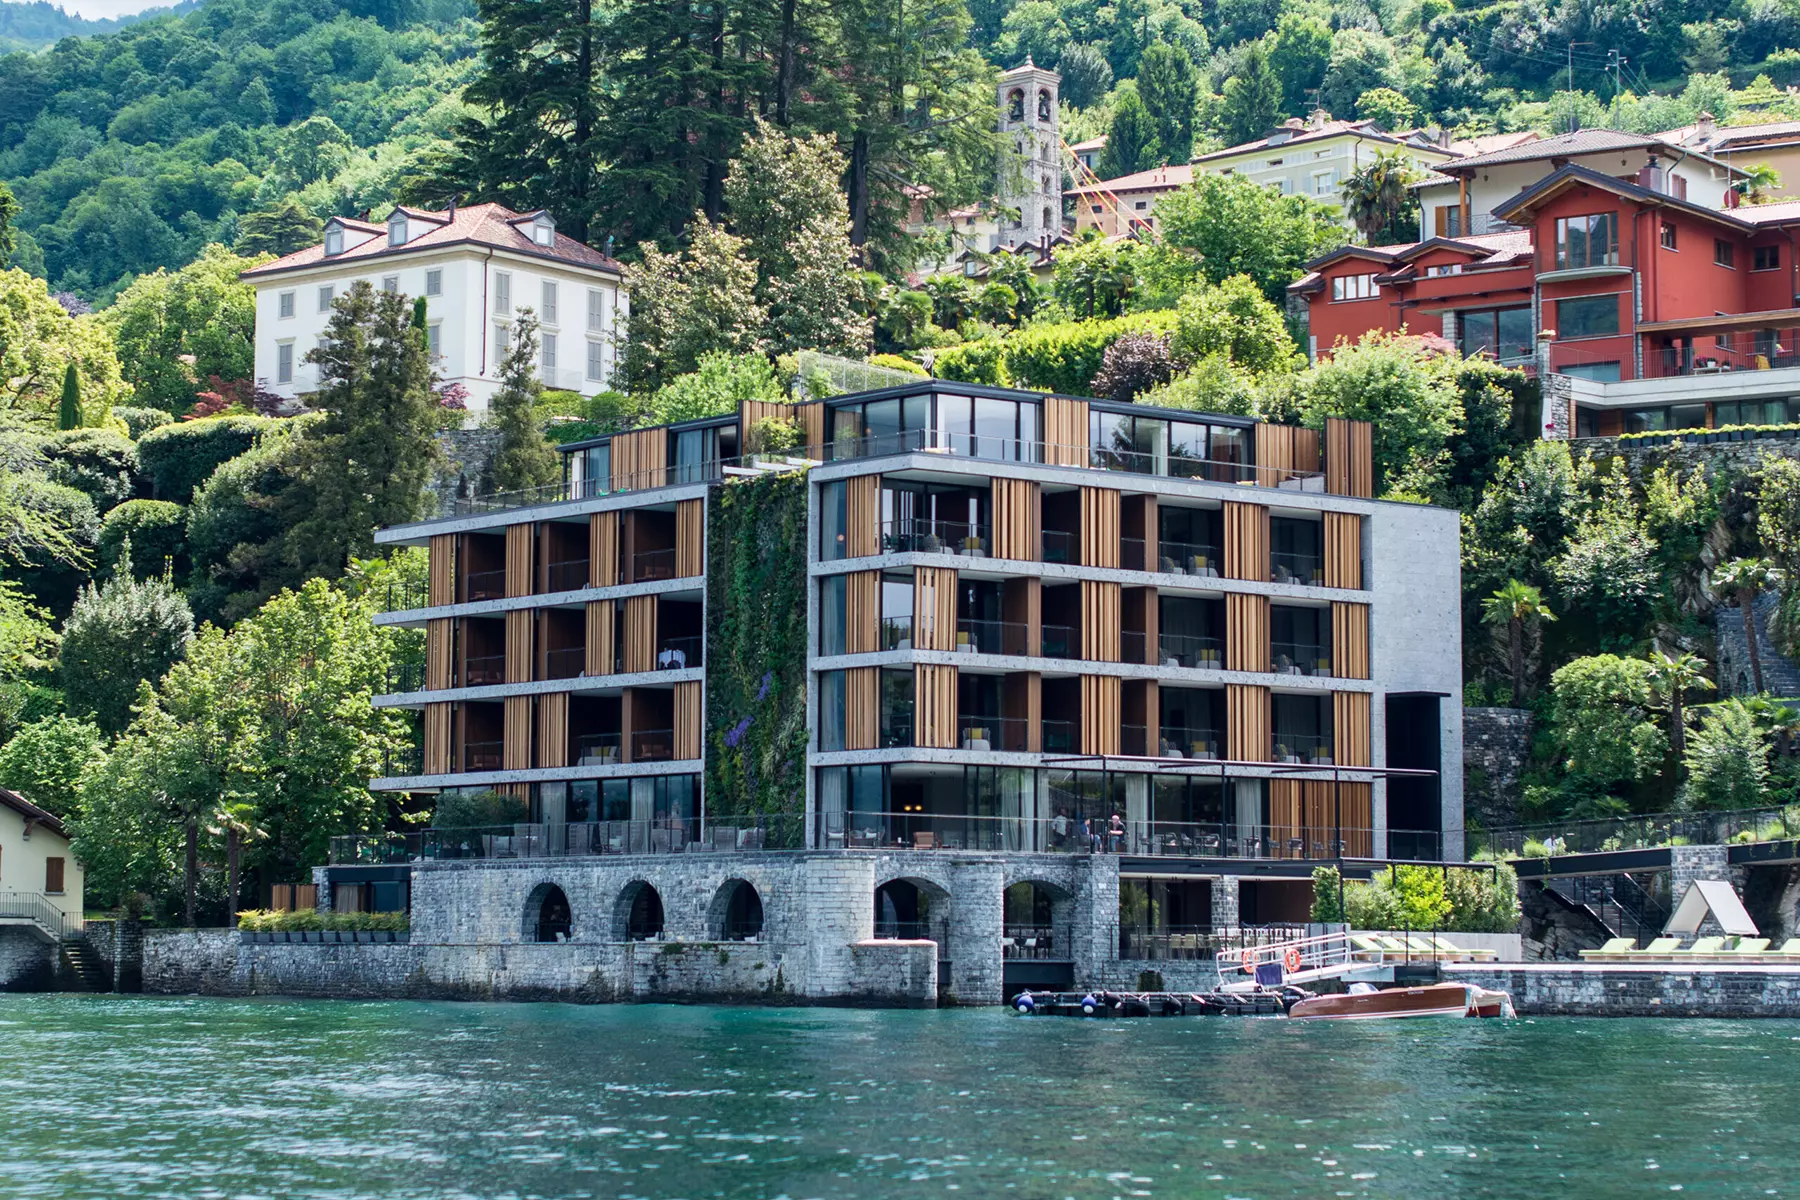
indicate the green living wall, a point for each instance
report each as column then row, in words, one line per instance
column 756, row 649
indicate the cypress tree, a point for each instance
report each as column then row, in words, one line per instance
column 525, row 457
column 68, row 413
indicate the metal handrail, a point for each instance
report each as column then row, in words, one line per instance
column 34, row 907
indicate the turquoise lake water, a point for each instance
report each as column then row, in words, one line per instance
column 148, row 1097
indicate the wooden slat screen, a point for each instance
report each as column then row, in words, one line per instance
column 1246, row 542
column 752, row 411
column 1022, row 604
column 1142, row 611
column 640, row 634
column 1343, row 550
column 437, row 739
column 440, row 635
column 599, row 637
column 1354, row 813
column 518, row 646
column 1023, row 699
column 441, row 570
column 628, row 722
column 1286, row 818
column 519, row 539
column 553, row 729
column 862, row 612
column 1101, row 620
column 687, row 719
column 690, row 539
column 603, row 549
column 1018, row 519
column 934, row 706
column 1100, row 714
column 1349, row 457
column 1065, row 432
column 640, row 459
column 862, row 708
column 811, row 416
column 1099, row 527
column 1350, row 729
column 1282, row 450
column 934, row 608
column 862, row 516
column 1246, row 722
column 515, row 748
column 1246, row 632
column 1349, row 640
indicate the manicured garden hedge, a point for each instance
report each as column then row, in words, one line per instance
column 179, row 458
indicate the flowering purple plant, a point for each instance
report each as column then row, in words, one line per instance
column 736, row 733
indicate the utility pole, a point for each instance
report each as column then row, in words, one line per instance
column 1571, row 89
column 1615, row 63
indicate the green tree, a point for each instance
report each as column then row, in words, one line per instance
column 367, row 463
column 1600, row 715
column 1742, row 579
column 686, row 304
column 45, row 760
column 27, row 640
column 175, row 330
column 1169, row 89
column 722, row 383
column 1361, row 61
column 128, row 630
column 1095, row 277
column 1672, row 677
column 9, row 212
column 68, row 410
column 1234, row 319
column 1606, row 577
column 1225, row 225
column 1727, row 759
column 1131, row 144
column 1086, row 75
column 280, row 230
column 1514, row 608
column 525, row 458
column 38, row 341
column 1761, row 183
column 1409, row 394
column 1379, row 198
column 1252, row 99
column 1387, row 108
column 1299, row 57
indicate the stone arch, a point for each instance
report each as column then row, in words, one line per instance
column 638, row 912
column 912, row 906
column 1037, row 920
column 736, row 913
column 548, row 916
column 1015, row 105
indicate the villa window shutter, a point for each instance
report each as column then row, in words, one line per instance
column 862, row 516
column 862, row 612
column 1350, row 729
column 934, row 702
column 1101, row 714
column 441, row 570
column 1343, row 550
column 934, row 608
column 603, row 549
column 53, row 875
column 1101, row 620
column 1099, row 527
column 1349, row 457
column 640, row 634
column 1246, row 542
column 439, row 637
column 688, row 719
column 1246, row 722
column 1246, row 632
column 690, row 539
column 599, row 638
column 1349, row 640
column 1018, row 519
column 437, row 739
column 515, row 750
column 519, row 545
column 553, row 730
column 1065, row 432
column 518, row 646
column 862, row 708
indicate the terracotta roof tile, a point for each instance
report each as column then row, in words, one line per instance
column 477, row 224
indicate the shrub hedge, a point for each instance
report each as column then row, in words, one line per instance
column 158, row 533
column 1066, row 357
column 259, row 920
column 179, row 458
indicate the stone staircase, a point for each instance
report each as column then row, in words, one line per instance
column 83, row 970
column 1781, row 676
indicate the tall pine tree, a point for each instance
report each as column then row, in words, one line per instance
column 1252, row 98
column 68, row 410
column 525, row 458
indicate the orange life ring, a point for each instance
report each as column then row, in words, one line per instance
column 1292, row 959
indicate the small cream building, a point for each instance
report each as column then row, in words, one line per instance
column 35, row 864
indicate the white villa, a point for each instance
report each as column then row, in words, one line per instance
column 476, row 266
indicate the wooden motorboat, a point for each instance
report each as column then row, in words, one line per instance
column 1435, row 1000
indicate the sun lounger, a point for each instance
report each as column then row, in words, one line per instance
column 1455, row 952
column 1366, row 948
column 1423, row 947
column 1706, row 947
column 1392, row 945
column 1790, row 950
column 1754, row 949
column 1661, row 947
column 1615, row 950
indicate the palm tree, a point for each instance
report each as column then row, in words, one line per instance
column 1378, row 199
column 1759, row 181
column 1513, row 606
column 1742, row 579
column 234, row 821
column 1674, row 676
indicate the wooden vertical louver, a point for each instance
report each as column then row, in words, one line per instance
column 862, row 516
column 1349, row 457
column 934, row 706
column 640, row 634
column 1101, row 621
column 1286, row 819
column 437, row 739
column 1350, row 729
column 862, row 708
column 1246, row 542
column 603, row 549
column 1349, row 640
column 553, row 729
column 515, row 748
column 690, row 539
column 1018, row 519
column 752, row 411
column 640, row 459
column 518, row 646
column 600, row 651
column 441, row 570
column 1343, row 550
column 520, row 541
column 1246, row 722
column 1099, row 527
column 1246, row 632
column 934, row 608
column 687, row 719
column 1022, row 696
column 440, row 638
column 1282, row 451
column 1353, row 812
column 1022, row 608
column 862, row 612
column 1101, row 714
column 1065, row 432
column 629, row 722
column 811, row 416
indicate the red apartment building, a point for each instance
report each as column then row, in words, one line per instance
column 1651, row 306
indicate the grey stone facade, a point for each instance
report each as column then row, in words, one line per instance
column 1642, row 991
column 1496, row 747
column 29, row 961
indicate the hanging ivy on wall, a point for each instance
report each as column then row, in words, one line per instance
column 756, row 647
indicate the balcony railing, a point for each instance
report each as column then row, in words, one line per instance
column 1651, row 830
column 1059, row 737
column 652, row 745
column 657, row 477
column 679, row 653
column 1131, row 645
column 484, row 585
column 1742, row 351
column 1188, row 558
column 1059, row 546
column 1300, row 658
column 484, row 669
column 570, row 662
column 1302, row 748
column 992, row 637
column 569, row 575
column 919, row 536
column 1059, row 642
column 648, row 566
column 666, row 835
column 404, row 677
column 1133, row 739
column 402, row 762
column 1196, row 942
column 992, row 733
column 1030, row 941
column 481, row 756
column 401, row 595
column 896, row 730
column 596, row 749
column 1072, row 833
column 1177, row 741
column 1293, row 566
column 1190, row 650
column 36, row 908
column 896, row 633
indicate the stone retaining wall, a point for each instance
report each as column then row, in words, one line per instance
column 1640, row 991
column 1496, row 747
column 119, row 945
column 1640, row 460
column 29, row 960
